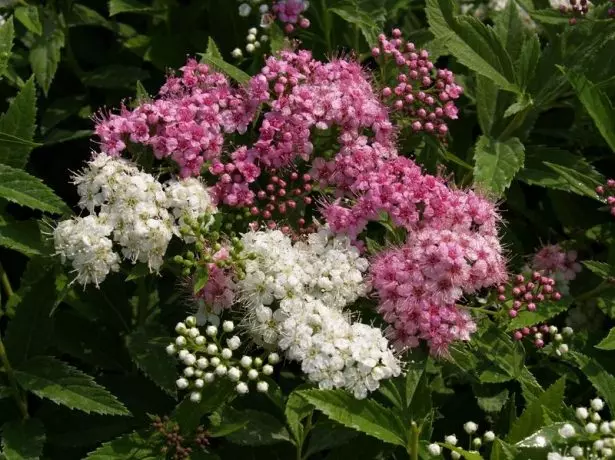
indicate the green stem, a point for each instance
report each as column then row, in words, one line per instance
column 515, row 124
column 413, row 442
column 6, row 284
column 326, row 20
column 306, row 431
column 17, row 393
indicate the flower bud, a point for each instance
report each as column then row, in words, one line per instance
column 195, row 396
column 434, row 449
column 470, row 427
column 262, row 387
column 242, row 388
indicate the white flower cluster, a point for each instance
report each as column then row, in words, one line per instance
column 295, row 296
column 132, row 207
column 476, row 442
column 207, row 357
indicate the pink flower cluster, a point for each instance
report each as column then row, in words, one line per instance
column 290, row 12
column 609, row 193
column 554, row 261
column 187, row 121
column 219, row 292
column 422, row 92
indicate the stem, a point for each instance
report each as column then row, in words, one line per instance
column 413, row 443
column 326, row 20
column 17, row 394
column 6, row 284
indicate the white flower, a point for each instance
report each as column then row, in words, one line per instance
column 187, row 199
column 211, row 330
column 182, row 354
column 228, row 326
column 273, row 358
column 246, row 361
column 193, row 332
column 190, row 321
column 540, row 441
column 451, row 439
column 566, row 431
column 568, row 331
column 595, row 417
column 470, row 427
column 597, row 404
column 605, row 428
column 237, row 53
column 582, row 413
column 576, row 451
column 244, row 10
column 221, row 370
column 434, row 449
column 180, row 328
column 262, row 387
column 562, row 348
column 251, row 38
column 554, row 456
column 226, row 353
column 171, row 350
column 250, row 48
column 476, row 442
column 599, row 444
column 263, row 8
column 212, row 349
column 455, row 455
column 252, row 30
column 189, row 372
column 233, row 343
column 234, row 374
column 202, row 363
column 242, row 388
column 208, row 377
column 199, row 383
column 252, row 374
column 591, row 428
column 195, row 396
column 200, row 340
column 489, row 436
column 180, row 341
column 181, row 383
column 215, row 361
column 607, row 452
column 267, row 369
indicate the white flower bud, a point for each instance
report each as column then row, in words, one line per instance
column 258, row 362
column 257, row 45
column 595, row 417
column 180, row 341
column 605, row 428
column 250, row 48
column 470, row 427
column 189, row 360
column 244, row 10
column 245, row 361
column 273, row 358
column 195, row 396
column 200, row 340
column 251, row 38
column 211, row 330
column 181, row 383
column 489, row 436
column 434, row 449
column 591, row 428
column 242, row 388
column 567, row 331
column 202, row 363
column 582, row 413
column 263, row 8
column 563, row 348
column 264, row 38
column 182, row 354
column 607, row 453
column 208, row 377
column 476, row 442
column 228, row 326
column 237, row 53
column 455, row 455
column 234, row 374
column 171, row 350
column 226, row 353
column 180, row 328
column 599, row 444
column 252, row 374
column 597, row 404
column 558, row 337
column 198, row 373
column 553, row 330
column 576, row 451
column 566, row 431
column 540, row 441
column 538, row 335
column 233, row 343
column 451, row 439
column 193, row 332
column 199, row 383
column 212, row 349
column 267, row 369
column 262, row 387
column 190, row 321
column 215, row 361
column 221, row 370
column 612, row 425
column 189, row 371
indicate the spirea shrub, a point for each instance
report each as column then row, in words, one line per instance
column 349, row 243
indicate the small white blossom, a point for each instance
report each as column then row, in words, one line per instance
column 605, row 428
column 237, row 53
column 211, row 331
column 189, row 372
column 234, row 374
column 597, row 404
column 455, row 455
column 582, row 413
column 199, row 383
column 246, row 361
column 591, row 428
column 233, row 343
column 451, row 439
column 251, row 38
column 470, row 427
column 540, row 441
column 226, row 353
column 180, row 341
column 244, row 10
column 200, row 340
column 250, row 48
column 576, row 451
column 252, row 374
column 182, row 354
column 190, row 321
column 262, row 387
column 595, row 417
column 273, row 358
column 221, row 370
column 252, row 30
column 171, row 350
column 566, row 431
column 434, row 449
column 181, row 383
column 215, row 361
column 189, row 359
column 180, row 328
column 267, row 369
column 202, row 363
column 567, row 331
column 242, row 388
column 208, row 377
column 195, row 396
column 599, row 444
column 489, row 436
column 228, row 326
column 476, row 442
column 212, row 349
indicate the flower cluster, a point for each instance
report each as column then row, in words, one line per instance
column 608, row 192
column 176, row 444
column 476, row 442
column 529, row 293
column 129, row 207
column 422, row 92
column 207, row 357
column 294, row 295
column 557, row 263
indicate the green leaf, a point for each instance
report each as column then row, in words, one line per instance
column 510, row 29
column 28, row 16
column 189, row 414
column 497, row 347
column 549, row 16
column 45, row 53
column 23, row 440
column 328, row 435
column 545, row 436
column 496, row 163
column 201, row 275
column 5, row 392
column 128, row 6
column 213, row 50
column 141, row 93
column 260, row 429
column 473, row 43
column 545, row 311
column 22, row 236
column 146, row 348
column 81, row 15
column 490, row 399
column 528, row 59
column 363, row 20
column 277, row 38
column 131, row 446
column 502, row 451
column 50, row 378
column 578, row 182
column 7, row 34
column 608, row 343
column 20, row 187
column 297, row 408
column 17, row 127
column 602, row 381
column 230, row 70
column 596, row 102
column 114, row 76
column 465, row 454
column 363, row 415
column 602, row 269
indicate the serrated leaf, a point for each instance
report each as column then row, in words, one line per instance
column 19, row 122
column 528, row 59
column 259, row 429
column 545, row 311
column 549, row 16
column 20, row 187
column 465, row 454
column 23, row 440
column 189, row 414
column 50, row 378
column 212, row 49
column 364, row 415
column 596, row 102
column 228, row 69
column 545, row 436
column 128, row 6
column 297, row 408
column 146, row 348
column 277, row 38
column 608, row 343
column 580, row 183
column 602, row 269
column 141, row 92
column 496, row 163
column 498, row 348
column 363, row 20
column 602, row 381
column 45, row 53
column 328, row 435
column 81, row 15
column 7, row 34
column 22, row 236
column 201, row 275
column 490, row 400
column 28, row 16
column 502, row 451
column 132, row 446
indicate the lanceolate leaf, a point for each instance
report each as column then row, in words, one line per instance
column 23, row 440
column 128, row 6
column 602, row 269
column 20, row 187
column 361, row 19
column 597, row 375
column 235, row 73
column 608, row 343
column 259, row 428
column 45, row 53
column 28, row 16
column 132, row 446
column 17, row 127
column 363, row 415
column 7, row 33
column 50, row 378
column 597, row 104
column 22, row 236
column 496, row 163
